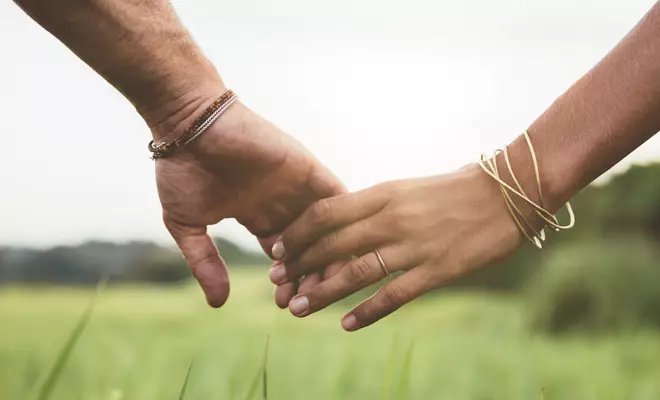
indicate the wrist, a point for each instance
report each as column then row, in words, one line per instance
column 218, row 143
column 515, row 168
column 490, row 202
column 172, row 113
column 553, row 176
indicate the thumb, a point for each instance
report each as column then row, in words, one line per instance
column 205, row 262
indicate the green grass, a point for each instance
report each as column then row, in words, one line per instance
column 140, row 340
column 182, row 393
column 56, row 370
column 404, row 377
column 260, row 377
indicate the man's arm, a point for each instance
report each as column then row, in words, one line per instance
column 141, row 48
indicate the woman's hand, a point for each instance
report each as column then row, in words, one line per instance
column 435, row 228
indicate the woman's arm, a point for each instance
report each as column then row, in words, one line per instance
column 441, row 227
column 602, row 118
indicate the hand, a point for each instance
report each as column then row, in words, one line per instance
column 434, row 228
column 244, row 168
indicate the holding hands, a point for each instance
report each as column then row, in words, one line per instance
column 330, row 245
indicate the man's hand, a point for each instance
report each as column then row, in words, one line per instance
column 242, row 167
column 245, row 168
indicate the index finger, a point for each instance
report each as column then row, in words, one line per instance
column 326, row 215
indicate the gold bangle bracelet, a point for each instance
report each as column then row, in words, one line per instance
column 543, row 211
column 489, row 165
column 538, row 180
column 537, row 238
column 541, row 234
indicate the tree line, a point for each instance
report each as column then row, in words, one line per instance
column 89, row 262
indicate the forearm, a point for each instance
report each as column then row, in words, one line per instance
column 139, row 46
column 602, row 118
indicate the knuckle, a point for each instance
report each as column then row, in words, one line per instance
column 318, row 297
column 394, row 296
column 359, row 271
column 398, row 219
column 366, row 313
column 328, row 243
column 198, row 263
column 322, row 212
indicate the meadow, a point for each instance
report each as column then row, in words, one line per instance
column 140, row 341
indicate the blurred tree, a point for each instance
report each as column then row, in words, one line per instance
column 162, row 266
column 91, row 261
column 602, row 285
column 236, row 256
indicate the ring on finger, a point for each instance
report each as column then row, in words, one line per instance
column 382, row 263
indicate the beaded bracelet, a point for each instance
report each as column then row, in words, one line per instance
column 198, row 127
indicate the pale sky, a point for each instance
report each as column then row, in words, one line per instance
column 474, row 75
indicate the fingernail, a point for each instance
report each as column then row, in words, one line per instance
column 277, row 274
column 278, row 250
column 299, row 306
column 349, row 322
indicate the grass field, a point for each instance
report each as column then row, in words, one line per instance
column 140, row 341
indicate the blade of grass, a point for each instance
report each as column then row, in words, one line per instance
column 389, row 373
column 404, row 380
column 260, row 376
column 55, row 372
column 255, row 384
column 182, row 393
column 265, row 370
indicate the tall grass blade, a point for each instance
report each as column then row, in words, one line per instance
column 265, row 370
column 389, row 372
column 261, row 376
column 404, row 380
column 253, row 388
column 182, row 393
column 542, row 392
column 55, row 372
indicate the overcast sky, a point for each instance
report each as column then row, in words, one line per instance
column 475, row 74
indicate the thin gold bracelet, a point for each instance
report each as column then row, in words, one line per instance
column 530, row 202
column 538, row 179
column 540, row 234
column 490, row 167
column 515, row 212
column 554, row 224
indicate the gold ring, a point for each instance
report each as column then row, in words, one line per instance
column 382, row 263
